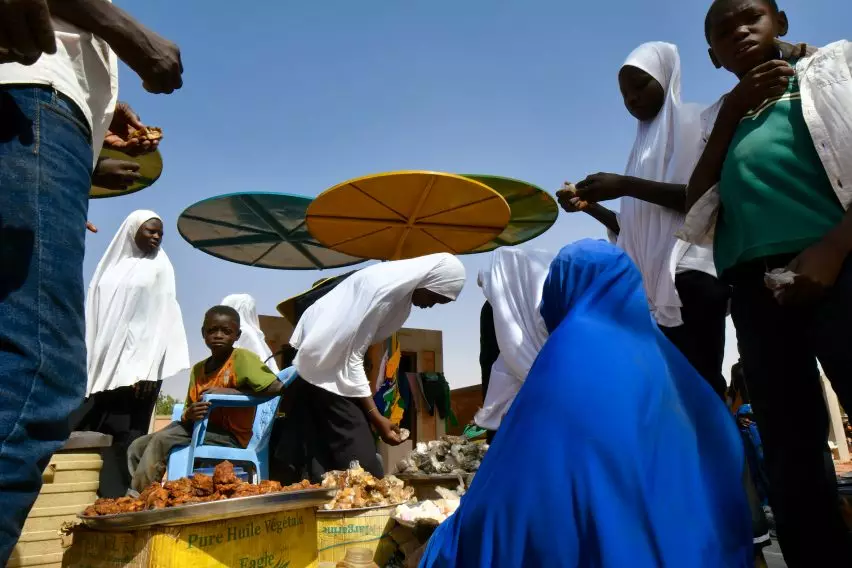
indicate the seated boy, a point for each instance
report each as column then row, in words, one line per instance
column 775, row 184
column 228, row 370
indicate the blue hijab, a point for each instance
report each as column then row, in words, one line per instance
column 615, row 453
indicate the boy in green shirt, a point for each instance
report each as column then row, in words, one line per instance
column 228, row 370
column 776, row 174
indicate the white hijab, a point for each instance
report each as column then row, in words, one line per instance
column 666, row 149
column 134, row 327
column 513, row 285
column 252, row 337
column 368, row 307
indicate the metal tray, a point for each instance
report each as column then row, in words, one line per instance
column 217, row 510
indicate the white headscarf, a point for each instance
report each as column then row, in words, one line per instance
column 369, row 306
column 252, row 337
column 134, row 327
column 513, row 285
column 666, row 150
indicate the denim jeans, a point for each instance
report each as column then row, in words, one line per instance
column 45, row 176
column 780, row 347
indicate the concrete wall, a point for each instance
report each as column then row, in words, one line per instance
column 277, row 331
column 465, row 402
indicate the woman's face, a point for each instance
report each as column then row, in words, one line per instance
column 643, row 95
column 149, row 236
column 423, row 298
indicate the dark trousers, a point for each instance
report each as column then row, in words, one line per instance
column 779, row 347
column 701, row 338
column 125, row 414
column 326, row 432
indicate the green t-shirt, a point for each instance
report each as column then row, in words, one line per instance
column 776, row 197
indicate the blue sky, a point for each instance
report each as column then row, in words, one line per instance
column 296, row 97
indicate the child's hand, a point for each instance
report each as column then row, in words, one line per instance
column 196, row 411
column 601, row 187
column 765, row 81
column 568, row 200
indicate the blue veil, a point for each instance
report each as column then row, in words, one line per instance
column 615, row 453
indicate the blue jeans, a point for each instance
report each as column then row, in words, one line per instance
column 45, row 176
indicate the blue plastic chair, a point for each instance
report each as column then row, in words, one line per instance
column 182, row 460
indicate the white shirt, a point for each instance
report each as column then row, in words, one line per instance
column 84, row 69
column 825, row 82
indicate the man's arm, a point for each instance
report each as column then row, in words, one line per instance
column 155, row 59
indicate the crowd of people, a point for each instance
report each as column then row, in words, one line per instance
column 739, row 208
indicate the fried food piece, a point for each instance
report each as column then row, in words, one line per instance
column 224, row 478
column 179, row 487
column 102, row 507
column 203, row 485
column 269, row 486
column 147, row 133
column 158, row 499
column 246, row 490
column 129, row 504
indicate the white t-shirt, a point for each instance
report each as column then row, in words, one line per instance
column 84, row 69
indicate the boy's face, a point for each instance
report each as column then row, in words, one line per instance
column 220, row 332
column 742, row 34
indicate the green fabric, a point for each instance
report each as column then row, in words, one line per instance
column 251, row 372
column 776, row 197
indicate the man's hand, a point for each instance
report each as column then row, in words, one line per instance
column 196, row 411
column 25, row 31
column 765, row 81
column 124, row 123
column 388, row 432
column 90, row 227
column 115, row 174
column 601, row 187
column 155, row 59
column 816, row 269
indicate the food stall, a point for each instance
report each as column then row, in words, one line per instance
column 219, row 520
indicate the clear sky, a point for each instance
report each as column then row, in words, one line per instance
column 295, row 97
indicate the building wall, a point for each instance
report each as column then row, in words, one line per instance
column 465, row 402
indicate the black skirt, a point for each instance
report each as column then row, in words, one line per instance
column 125, row 414
column 323, row 432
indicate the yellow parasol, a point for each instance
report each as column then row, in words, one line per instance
column 407, row 214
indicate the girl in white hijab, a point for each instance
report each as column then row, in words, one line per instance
column 684, row 295
column 512, row 285
column 252, row 337
column 135, row 338
column 332, row 399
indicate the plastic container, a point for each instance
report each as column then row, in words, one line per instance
column 357, row 558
